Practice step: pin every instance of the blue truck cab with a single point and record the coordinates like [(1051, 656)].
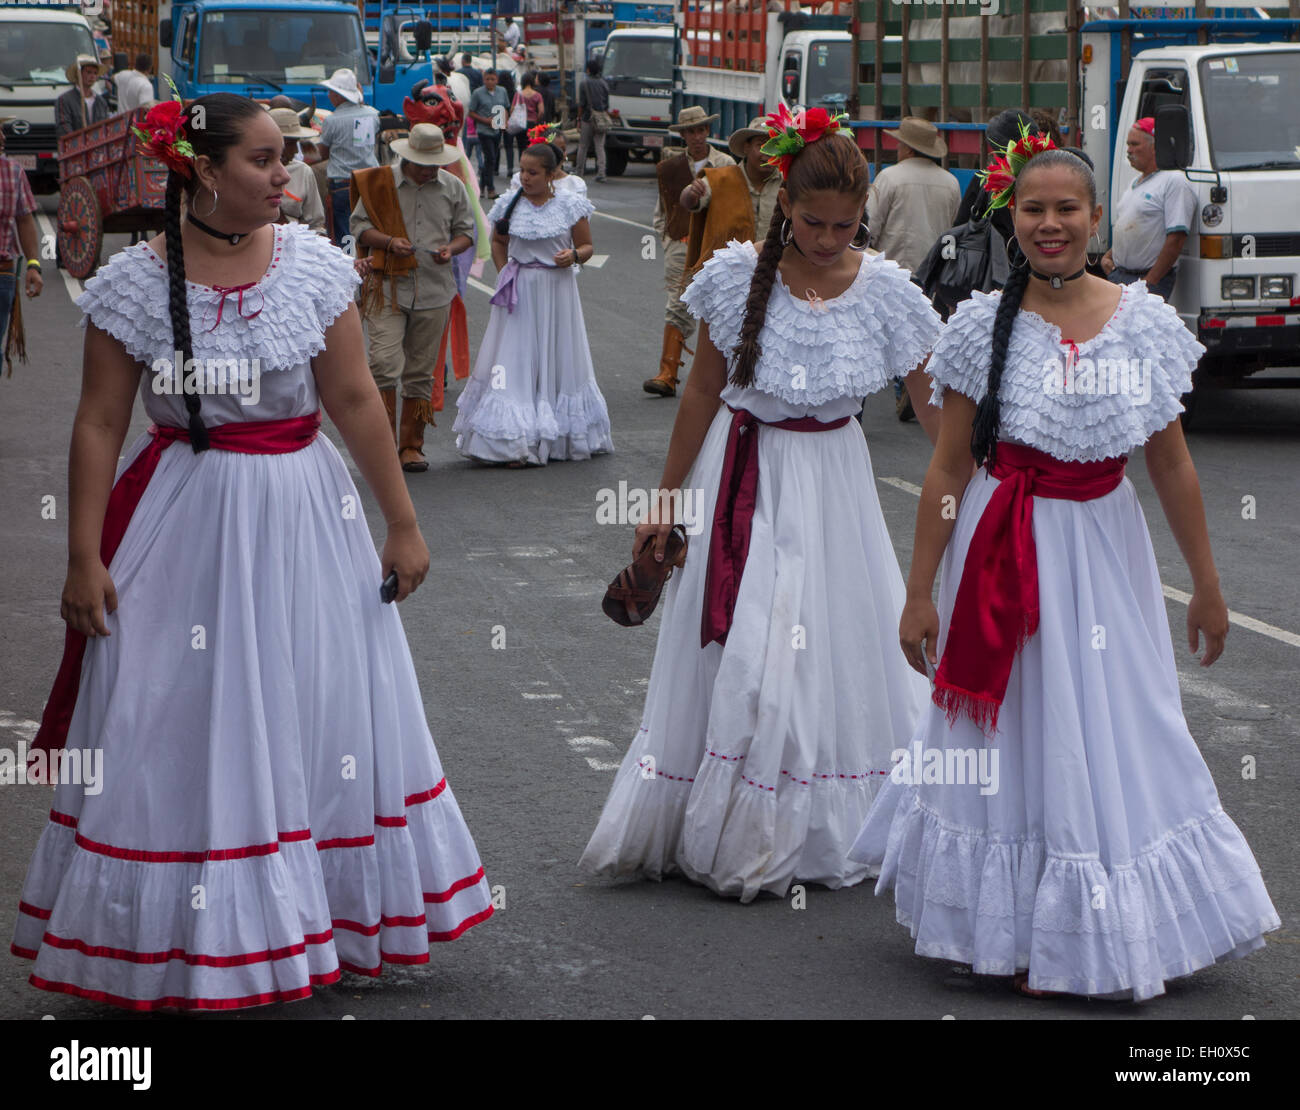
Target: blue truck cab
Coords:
[(261, 48)]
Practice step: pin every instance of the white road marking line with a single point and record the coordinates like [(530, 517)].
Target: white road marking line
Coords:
[(622, 220), (583, 742), (25, 729), (596, 261), (1239, 619), (600, 765), (481, 287), (74, 286), (541, 697)]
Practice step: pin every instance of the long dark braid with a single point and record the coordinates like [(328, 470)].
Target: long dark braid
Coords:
[(984, 432), (832, 162), (223, 116), (178, 303), (748, 349)]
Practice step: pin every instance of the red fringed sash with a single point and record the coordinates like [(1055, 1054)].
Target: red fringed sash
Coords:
[(996, 610), (253, 437), (734, 515)]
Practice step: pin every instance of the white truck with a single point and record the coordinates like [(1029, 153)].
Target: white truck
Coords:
[(37, 43), (1226, 115), (742, 65)]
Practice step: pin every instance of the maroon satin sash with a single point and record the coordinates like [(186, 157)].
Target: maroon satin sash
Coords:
[(734, 515)]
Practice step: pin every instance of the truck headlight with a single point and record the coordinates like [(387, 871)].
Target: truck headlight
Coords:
[(1237, 288), (1275, 285)]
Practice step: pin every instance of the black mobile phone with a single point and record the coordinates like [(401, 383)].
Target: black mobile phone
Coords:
[(388, 589)]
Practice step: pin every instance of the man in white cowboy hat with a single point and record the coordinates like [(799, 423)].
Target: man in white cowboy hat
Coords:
[(912, 203), (347, 139), (301, 203), (80, 106), (673, 223), (412, 217), (732, 202)]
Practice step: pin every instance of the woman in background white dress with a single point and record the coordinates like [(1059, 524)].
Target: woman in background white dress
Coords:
[(272, 810), (533, 395), (1101, 861), (776, 696)]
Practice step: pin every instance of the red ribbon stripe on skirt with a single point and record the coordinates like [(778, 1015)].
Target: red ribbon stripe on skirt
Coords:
[(996, 610), (252, 437)]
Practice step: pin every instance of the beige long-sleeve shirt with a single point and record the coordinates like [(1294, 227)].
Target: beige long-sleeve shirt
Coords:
[(910, 205), (307, 208), (715, 158), (763, 197)]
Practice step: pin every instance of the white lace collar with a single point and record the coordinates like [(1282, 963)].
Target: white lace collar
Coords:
[(879, 328), (1080, 402), (546, 221), (306, 286)]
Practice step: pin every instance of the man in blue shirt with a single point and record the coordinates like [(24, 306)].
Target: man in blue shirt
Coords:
[(347, 139)]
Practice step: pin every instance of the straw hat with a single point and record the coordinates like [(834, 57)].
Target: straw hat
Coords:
[(73, 71), (426, 146), (921, 135), (691, 117), (736, 144), (344, 82), (290, 125)]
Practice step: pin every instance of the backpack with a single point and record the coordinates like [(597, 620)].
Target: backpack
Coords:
[(965, 258)]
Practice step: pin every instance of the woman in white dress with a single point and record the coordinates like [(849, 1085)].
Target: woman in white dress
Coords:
[(775, 698), (272, 810), (1096, 859), (533, 395)]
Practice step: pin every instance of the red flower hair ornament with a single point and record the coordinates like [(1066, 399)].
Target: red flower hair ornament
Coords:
[(542, 133), (999, 176), (790, 133), (163, 135)]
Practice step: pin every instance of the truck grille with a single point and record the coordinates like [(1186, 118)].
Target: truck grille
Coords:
[(1269, 246), (40, 137)]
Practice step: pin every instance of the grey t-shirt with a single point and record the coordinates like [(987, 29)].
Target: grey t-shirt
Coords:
[(482, 102), (350, 132)]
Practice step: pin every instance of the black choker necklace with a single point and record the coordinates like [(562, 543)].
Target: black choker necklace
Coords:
[(1056, 281), (231, 239)]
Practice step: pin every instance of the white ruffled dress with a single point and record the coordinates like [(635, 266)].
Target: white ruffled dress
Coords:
[(1103, 862), (756, 761), (533, 395), (272, 808)]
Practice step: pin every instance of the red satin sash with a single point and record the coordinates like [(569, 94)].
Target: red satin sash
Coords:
[(253, 437), (996, 609), (734, 515)]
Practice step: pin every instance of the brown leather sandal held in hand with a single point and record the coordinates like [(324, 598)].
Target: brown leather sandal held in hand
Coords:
[(633, 595)]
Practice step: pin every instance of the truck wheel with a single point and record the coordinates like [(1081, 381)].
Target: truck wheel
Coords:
[(615, 162)]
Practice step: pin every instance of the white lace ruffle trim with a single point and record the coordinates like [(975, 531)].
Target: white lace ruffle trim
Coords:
[(552, 219), (580, 419), (307, 287), (1121, 928), (879, 329), (1126, 384)]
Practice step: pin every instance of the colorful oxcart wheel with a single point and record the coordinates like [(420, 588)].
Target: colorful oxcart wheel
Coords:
[(81, 228)]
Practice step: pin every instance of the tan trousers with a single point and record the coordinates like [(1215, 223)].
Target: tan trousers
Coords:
[(404, 345), (675, 313)]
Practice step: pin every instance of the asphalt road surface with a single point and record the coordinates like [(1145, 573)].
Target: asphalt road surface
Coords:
[(531, 733)]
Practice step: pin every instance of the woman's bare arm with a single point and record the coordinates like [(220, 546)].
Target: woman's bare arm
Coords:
[(1174, 477), (945, 482), (918, 392), (348, 392), (109, 379)]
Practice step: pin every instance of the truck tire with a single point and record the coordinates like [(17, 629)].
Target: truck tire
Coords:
[(615, 162)]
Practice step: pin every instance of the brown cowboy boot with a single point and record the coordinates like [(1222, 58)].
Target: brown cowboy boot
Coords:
[(411, 453), (665, 382), (389, 397)]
